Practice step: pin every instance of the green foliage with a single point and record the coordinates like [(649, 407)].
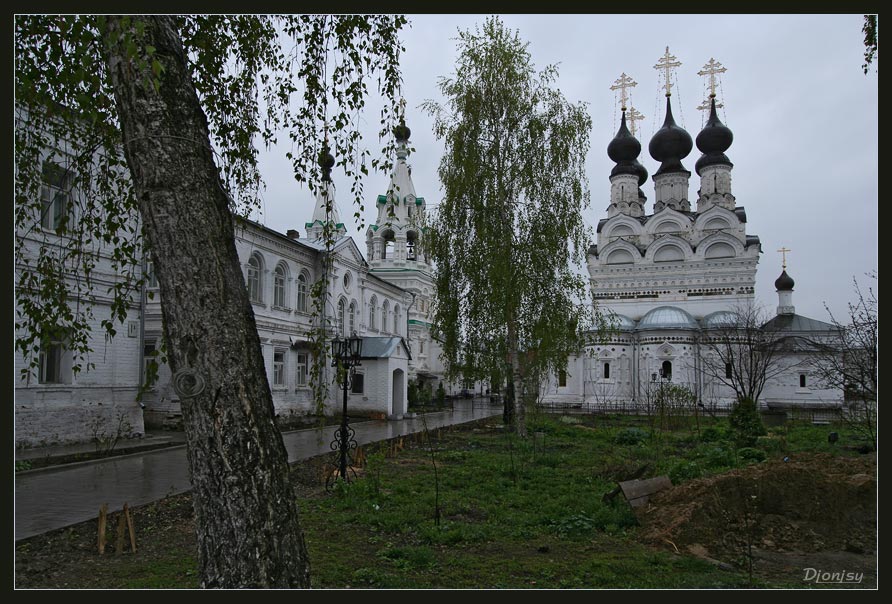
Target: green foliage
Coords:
[(871, 40), (254, 75), (631, 436), (752, 455), (746, 423), (510, 225), (22, 464), (712, 434), (684, 470), (441, 395)]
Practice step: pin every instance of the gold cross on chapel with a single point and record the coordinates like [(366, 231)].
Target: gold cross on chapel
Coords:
[(784, 251), (633, 116), (705, 105), (712, 69), (667, 62), (623, 83)]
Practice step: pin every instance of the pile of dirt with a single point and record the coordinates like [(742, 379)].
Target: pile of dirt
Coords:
[(810, 503)]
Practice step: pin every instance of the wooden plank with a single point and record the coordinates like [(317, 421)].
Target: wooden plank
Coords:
[(637, 492), (103, 512), (130, 528), (119, 536)]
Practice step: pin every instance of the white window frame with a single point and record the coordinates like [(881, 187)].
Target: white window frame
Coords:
[(279, 366), (303, 289), (50, 373), (255, 279), (55, 195), (280, 281), (302, 372)]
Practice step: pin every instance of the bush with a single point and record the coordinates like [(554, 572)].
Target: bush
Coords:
[(630, 436), (752, 455), (712, 434), (746, 423), (684, 470), (441, 395)]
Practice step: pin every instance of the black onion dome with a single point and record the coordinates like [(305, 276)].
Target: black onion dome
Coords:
[(624, 150), (624, 147), (784, 283), (402, 132), (670, 144), (326, 162), (713, 141)]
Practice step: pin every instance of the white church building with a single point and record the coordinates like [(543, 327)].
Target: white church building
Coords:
[(667, 277), (386, 301)]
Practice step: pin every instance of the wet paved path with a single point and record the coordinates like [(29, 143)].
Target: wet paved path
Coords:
[(60, 496)]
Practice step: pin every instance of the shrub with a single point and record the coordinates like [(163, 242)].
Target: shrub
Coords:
[(630, 436), (684, 470), (751, 454), (746, 423), (712, 434)]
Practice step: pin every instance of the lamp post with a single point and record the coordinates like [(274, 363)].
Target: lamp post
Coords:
[(345, 355)]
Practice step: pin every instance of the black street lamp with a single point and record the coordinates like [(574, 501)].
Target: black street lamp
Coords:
[(345, 355)]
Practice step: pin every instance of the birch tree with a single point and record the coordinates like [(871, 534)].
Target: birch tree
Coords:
[(509, 228), (160, 116)]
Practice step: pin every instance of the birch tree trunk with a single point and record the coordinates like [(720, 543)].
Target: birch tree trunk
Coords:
[(246, 510)]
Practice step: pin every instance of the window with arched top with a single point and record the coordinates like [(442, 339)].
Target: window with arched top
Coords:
[(373, 310), (619, 230), (620, 257), (342, 322), (303, 284), (716, 223), (667, 226), (397, 319), (384, 308), (720, 250), (669, 253), (666, 370), (280, 283), (352, 318), (255, 278)]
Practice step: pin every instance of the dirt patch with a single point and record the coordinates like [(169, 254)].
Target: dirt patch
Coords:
[(813, 511)]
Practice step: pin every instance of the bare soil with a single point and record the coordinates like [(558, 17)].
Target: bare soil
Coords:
[(812, 511)]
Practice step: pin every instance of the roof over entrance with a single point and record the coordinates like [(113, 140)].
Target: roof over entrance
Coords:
[(378, 347)]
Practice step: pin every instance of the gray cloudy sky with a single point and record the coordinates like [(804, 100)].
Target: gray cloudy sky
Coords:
[(803, 113)]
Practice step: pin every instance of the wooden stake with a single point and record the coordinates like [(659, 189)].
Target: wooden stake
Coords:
[(119, 535), (103, 511), (130, 527)]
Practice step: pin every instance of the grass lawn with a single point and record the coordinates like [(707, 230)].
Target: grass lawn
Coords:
[(480, 509)]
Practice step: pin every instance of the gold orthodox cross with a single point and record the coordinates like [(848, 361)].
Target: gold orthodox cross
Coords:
[(633, 116), (784, 251), (623, 83), (712, 69), (667, 62)]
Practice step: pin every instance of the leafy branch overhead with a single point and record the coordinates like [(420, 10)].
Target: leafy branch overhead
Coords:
[(256, 76)]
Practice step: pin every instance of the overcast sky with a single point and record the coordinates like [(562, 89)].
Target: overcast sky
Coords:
[(803, 113)]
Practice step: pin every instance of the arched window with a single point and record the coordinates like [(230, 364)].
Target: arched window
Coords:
[(669, 253), (352, 319), (255, 278), (620, 257), (397, 319), (342, 323), (606, 371), (281, 278), (720, 250), (666, 370), (384, 308), (302, 286), (373, 309)]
